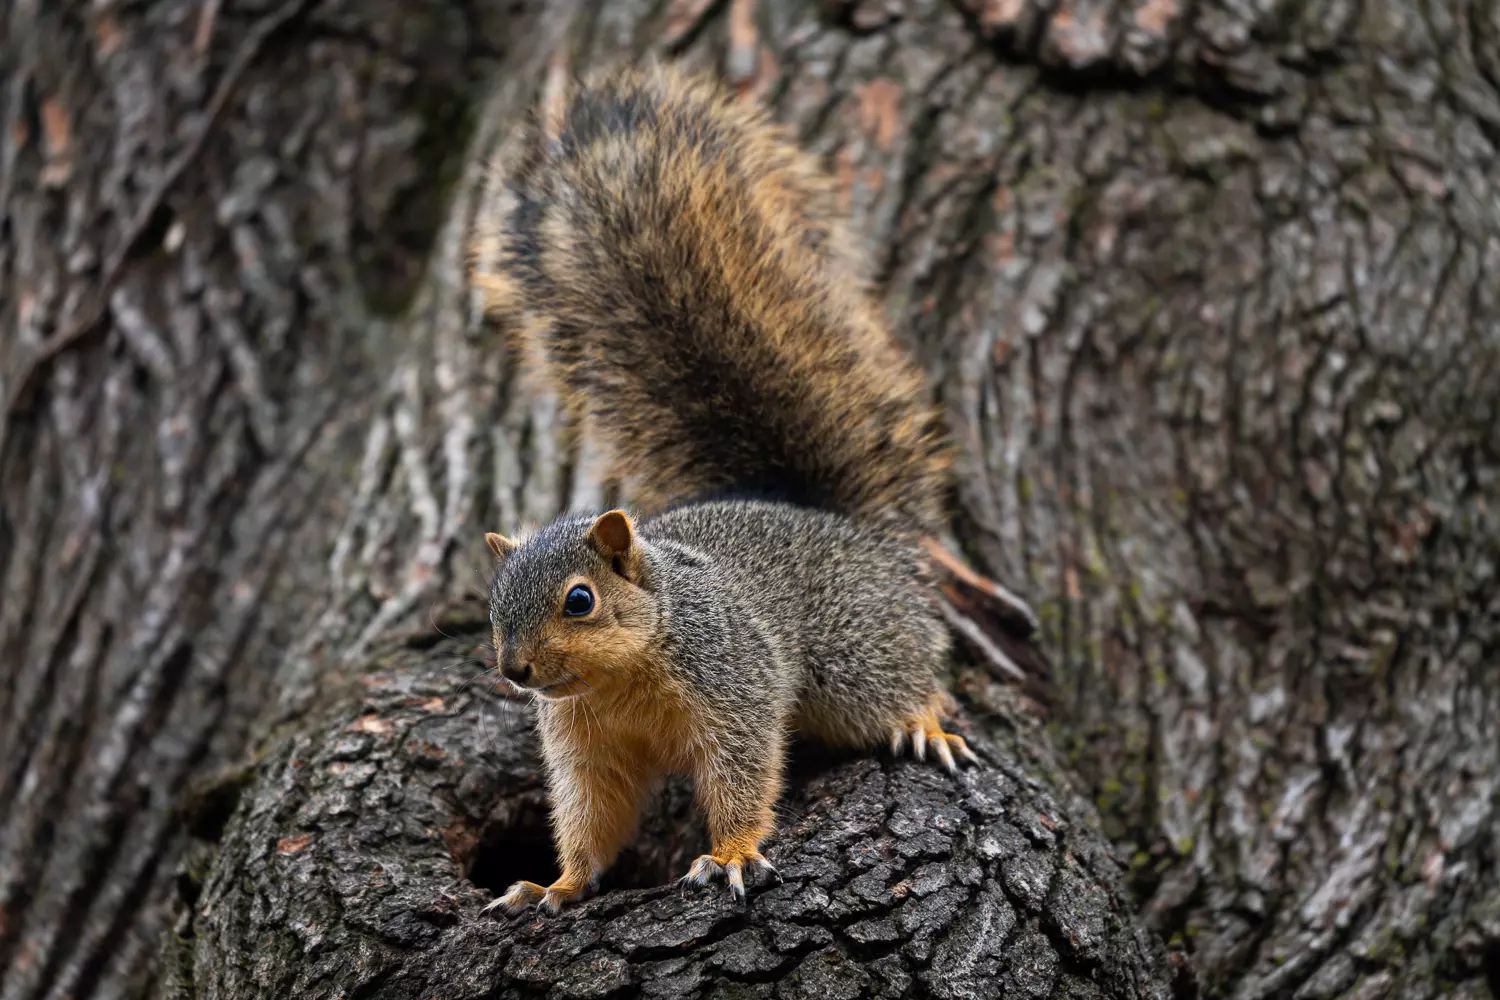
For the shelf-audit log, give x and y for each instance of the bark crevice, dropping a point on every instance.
(1208, 290)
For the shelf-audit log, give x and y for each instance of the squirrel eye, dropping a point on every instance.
(580, 601)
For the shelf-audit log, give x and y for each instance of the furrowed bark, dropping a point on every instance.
(342, 872)
(1210, 291)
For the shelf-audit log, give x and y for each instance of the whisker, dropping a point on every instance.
(482, 674)
(432, 620)
(499, 698)
(573, 712)
(486, 586)
(594, 712)
(589, 710)
(484, 729)
(579, 678)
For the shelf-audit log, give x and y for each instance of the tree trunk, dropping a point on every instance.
(342, 872)
(1210, 290)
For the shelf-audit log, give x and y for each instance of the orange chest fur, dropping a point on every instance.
(656, 734)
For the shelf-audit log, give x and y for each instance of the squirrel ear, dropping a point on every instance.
(612, 533)
(499, 544)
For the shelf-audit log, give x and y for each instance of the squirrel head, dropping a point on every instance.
(568, 608)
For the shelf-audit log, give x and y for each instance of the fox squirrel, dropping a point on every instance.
(674, 264)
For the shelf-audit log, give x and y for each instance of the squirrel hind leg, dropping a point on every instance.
(924, 729)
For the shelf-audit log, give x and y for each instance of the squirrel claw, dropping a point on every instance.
(707, 869)
(523, 894)
(945, 755)
(944, 746)
(734, 875)
(519, 896)
(702, 872)
(765, 869)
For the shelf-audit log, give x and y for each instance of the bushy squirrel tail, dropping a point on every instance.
(679, 265)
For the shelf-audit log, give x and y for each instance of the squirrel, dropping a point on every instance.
(674, 264)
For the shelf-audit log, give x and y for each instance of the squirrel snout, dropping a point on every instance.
(517, 672)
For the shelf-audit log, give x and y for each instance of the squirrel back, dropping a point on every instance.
(677, 265)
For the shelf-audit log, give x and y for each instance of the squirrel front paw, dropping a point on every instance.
(924, 731)
(551, 899)
(731, 868)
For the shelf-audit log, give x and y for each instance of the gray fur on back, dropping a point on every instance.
(840, 616)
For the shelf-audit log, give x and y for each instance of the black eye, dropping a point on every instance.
(580, 601)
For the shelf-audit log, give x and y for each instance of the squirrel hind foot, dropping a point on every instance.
(732, 870)
(550, 899)
(924, 731)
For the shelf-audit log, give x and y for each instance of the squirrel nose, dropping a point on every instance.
(516, 672)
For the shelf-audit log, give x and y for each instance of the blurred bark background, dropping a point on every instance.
(1211, 289)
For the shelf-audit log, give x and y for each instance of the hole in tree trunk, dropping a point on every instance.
(672, 833)
(516, 849)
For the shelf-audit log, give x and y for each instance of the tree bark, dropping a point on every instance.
(343, 870)
(1210, 291)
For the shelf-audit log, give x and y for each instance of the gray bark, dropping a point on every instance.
(343, 872)
(1210, 290)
